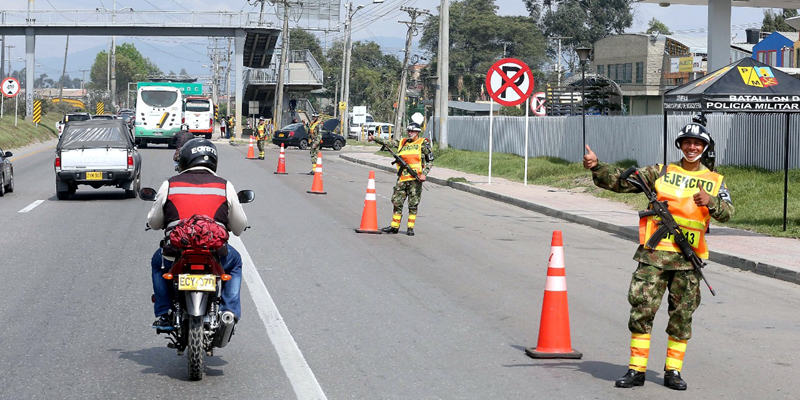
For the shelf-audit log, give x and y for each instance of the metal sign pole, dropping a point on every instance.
(16, 109)
(527, 119)
(491, 117)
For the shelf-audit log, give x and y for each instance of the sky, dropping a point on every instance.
(377, 22)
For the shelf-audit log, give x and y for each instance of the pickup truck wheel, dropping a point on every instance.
(62, 195)
(132, 193)
(2, 186)
(337, 145)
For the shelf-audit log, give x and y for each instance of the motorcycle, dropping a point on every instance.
(197, 278)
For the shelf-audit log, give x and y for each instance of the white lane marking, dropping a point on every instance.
(31, 206)
(297, 370)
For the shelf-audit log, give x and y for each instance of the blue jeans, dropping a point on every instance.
(232, 264)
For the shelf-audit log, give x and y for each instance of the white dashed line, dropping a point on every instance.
(31, 206)
(297, 370)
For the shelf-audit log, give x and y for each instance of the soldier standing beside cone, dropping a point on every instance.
(418, 154)
(694, 195)
(261, 137)
(231, 128)
(315, 138)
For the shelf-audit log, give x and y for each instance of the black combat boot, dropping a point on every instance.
(630, 379)
(673, 380)
(390, 229)
(410, 231)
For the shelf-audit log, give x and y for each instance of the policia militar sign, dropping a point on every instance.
(744, 86)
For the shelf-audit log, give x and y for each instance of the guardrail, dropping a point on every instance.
(126, 17)
(310, 74)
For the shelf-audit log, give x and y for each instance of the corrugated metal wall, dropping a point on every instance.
(741, 139)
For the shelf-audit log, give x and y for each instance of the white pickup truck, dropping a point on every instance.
(97, 153)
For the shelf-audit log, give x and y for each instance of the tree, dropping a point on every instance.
(774, 22)
(478, 38)
(300, 39)
(658, 27)
(131, 66)
(584, 21)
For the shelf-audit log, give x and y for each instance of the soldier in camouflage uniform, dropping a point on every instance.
(262, 134)
(315, 138)
(418, 154)
(695, 194)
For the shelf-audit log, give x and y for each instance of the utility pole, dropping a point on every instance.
(9, 47)
(228, 78)
(277, 108)
(444, 70)
(558, 56)
(63, 72)
(413, 26)
(3, 56)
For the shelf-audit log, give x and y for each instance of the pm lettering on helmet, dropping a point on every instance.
(208, 149)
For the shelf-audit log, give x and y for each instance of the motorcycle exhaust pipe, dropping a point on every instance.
(225, 330)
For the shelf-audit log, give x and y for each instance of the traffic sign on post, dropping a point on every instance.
(537, 104)
(10, 87)
(509, 82)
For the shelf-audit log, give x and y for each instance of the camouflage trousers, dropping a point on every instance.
(408, 189)
(314, 150)
(261, 143)
(648, 285)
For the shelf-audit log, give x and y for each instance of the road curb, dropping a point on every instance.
(629, 233)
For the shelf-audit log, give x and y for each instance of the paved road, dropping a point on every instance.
(445, 314)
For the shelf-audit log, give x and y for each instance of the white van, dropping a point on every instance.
(355, 129)
(383, 130)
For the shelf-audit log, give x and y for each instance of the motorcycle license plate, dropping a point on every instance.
(203, 283)
(94, 176)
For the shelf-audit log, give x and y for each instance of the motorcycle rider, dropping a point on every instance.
(196, 190)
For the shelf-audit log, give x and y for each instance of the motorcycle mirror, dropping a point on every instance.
(148, 194)
(246, 196)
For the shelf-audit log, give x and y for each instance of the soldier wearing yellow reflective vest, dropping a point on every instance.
(314, 140)
(231, 128)
(694, 194)
(261, 137)
(418, 154)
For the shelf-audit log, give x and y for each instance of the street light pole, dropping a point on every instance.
(583, 55)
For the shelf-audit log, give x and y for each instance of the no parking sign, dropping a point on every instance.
(509, 82)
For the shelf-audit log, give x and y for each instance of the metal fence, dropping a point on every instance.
(741, 139)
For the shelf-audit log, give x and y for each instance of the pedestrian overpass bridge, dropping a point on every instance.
(255, 38)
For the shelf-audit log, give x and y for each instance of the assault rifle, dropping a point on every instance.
(403, 165)
(667, 225)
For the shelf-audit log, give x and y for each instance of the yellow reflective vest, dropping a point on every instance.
(677, 186)
(411, 152)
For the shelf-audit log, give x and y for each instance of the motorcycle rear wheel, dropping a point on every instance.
(196, 352)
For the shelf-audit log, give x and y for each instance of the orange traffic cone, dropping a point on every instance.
(316, 187)
(369, 218)
(250, 153)
(281, 163)
(554, 338)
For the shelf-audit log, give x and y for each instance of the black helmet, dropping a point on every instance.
(693, 130)
(198, 152)
(700, 119)
(414, 127)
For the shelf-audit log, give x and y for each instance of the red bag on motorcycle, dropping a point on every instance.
(198, 231)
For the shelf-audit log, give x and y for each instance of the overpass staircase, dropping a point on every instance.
(303, 73)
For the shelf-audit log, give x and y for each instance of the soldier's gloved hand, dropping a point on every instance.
(422, 177)
(589, 159)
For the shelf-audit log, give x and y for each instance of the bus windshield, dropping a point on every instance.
(159, 98)
(197, 105)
